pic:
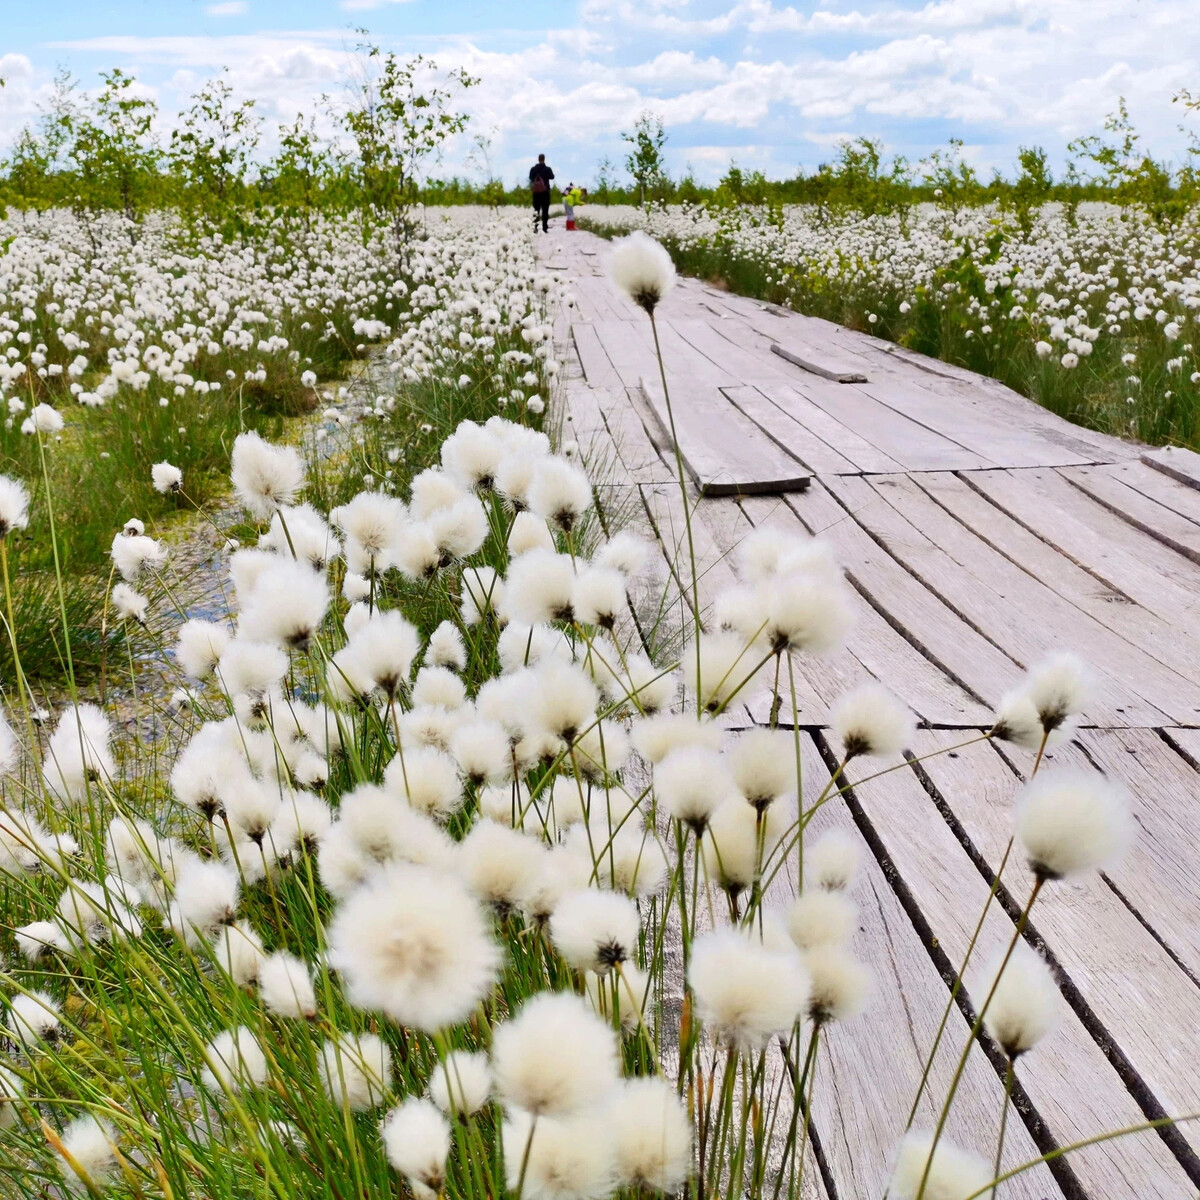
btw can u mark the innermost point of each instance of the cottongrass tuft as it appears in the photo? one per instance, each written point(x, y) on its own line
point(953, 1174)
point(14, 505)
point(285, 985)
point(832, 861)
point(461, 1084)
point(560, 1158)
point(652, 1136)
point(1025, 1002)
point(265, 477)
point(840, 984)
point(554, 1057)
point(413, 943)
point(870, 720)
point(746, 991)
point(90, 1156)
point(166, 478)
point(416, 1140)
point(595, 931)
point(642, 269)
point(235, 1061)
point(356, 1070)
point(1069, 822)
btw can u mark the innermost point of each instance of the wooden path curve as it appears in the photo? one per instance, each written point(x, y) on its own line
point(979, 533)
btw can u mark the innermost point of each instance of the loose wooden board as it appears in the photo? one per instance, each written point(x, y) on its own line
point(722, 449)
point(1177, 461)
point(820, 362)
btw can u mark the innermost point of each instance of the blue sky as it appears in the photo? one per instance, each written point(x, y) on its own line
point(774, 85)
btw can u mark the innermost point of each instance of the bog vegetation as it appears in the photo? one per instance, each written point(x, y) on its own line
point(437, 864)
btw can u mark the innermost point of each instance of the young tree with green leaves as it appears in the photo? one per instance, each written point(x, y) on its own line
point(212, 150)
point(399, 117)
point(645, 161)
point(110, 144)
point(298, 176)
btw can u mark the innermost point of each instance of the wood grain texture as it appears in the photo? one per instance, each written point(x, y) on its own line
point(1177, 461)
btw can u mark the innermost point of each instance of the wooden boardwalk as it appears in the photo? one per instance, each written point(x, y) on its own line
point(979, 533)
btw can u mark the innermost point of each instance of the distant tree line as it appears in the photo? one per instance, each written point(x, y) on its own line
point(101, 153)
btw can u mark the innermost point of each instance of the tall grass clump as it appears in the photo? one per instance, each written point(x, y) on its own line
point(442, 882)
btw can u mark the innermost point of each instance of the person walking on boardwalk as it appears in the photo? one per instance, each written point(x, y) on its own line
point(540, 176)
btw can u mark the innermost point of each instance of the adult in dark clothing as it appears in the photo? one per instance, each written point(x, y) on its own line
point(539, 184)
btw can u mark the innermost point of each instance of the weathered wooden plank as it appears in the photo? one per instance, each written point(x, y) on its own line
point(1152, 876)
point(907, 442)
point(784, 430)
point(727, 355)
point(1180, 534)
point(800, 408)
point(869, 1068)
point(974, 423)
point(819, 362)
point(1116, 970)
point(1176, 461)
point(874, 650)
point(1180, 498)
point(1168, 643)
point(1073, 1088)
point(597, 366)
point(939, 634)
point(1120, 556)
point(722, 449)
point(1012, 608)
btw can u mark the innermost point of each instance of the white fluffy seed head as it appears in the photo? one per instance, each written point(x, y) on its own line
point(414, 943)
point(599, 596)
point(739, 839)
point(806, 614)
point(286, 987)
point(539, 587)
point(199, 647)
point(446, 648)
point(953, 1174)
point(499, 864)
point(461, 1084)
point(870, 720)
point(595, 931)
point(416, 1140)
point(763, 763)
point(90, 1155)
point(555, 1057)
point(745, 991)
point(529, 532)
point(652, 1136)
point(33, 1019)
point(1069, 822)
point(832, 861)
point(1024, 1006)
point(1059, 689)
point(625, 552)
point(840, 984)
point(265, 477)
point(560, 493)
point(235, 1061)
point(14, 505)
point(642, 269)
point(726, 667)
point(655, 737)
point(692, 783)
point(239, 952)
point(821, 918)
point(286, 606)
point(356, 1071)
point(166, 478)
point(427, 780)
point(570, 1158)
